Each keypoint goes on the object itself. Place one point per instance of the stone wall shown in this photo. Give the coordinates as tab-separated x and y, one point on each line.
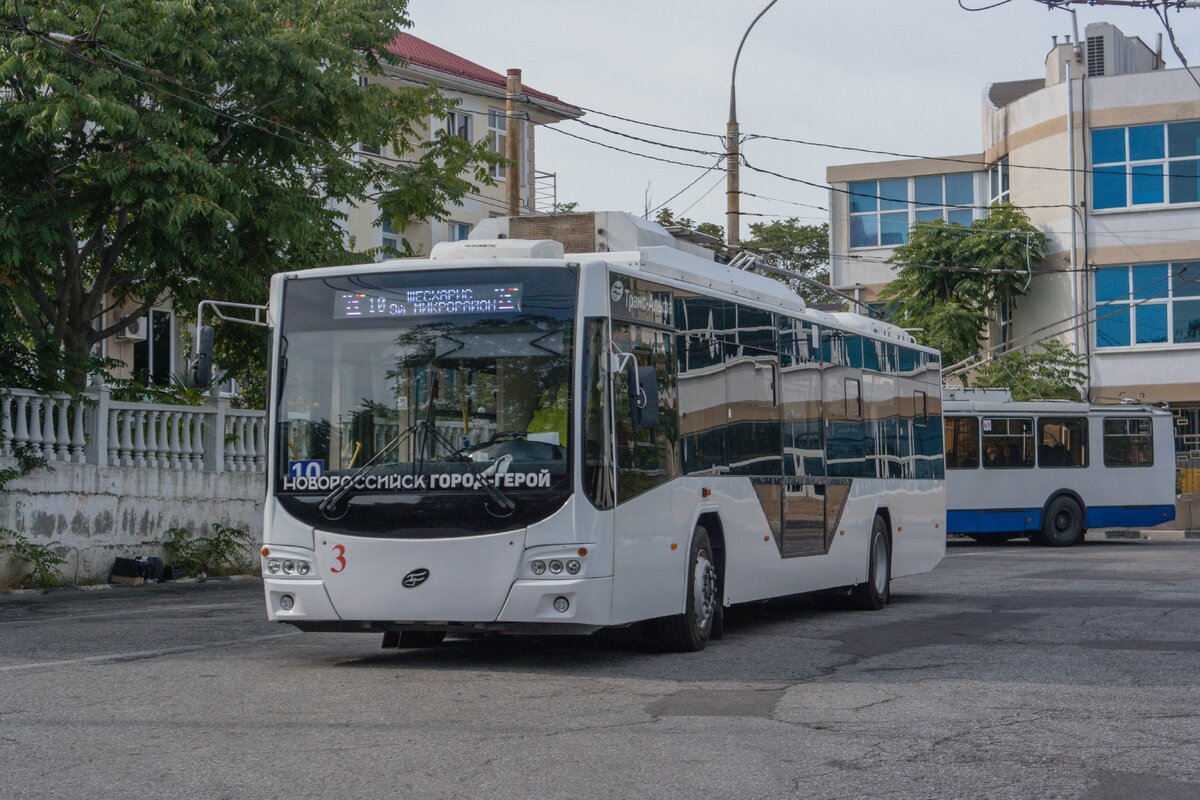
92	514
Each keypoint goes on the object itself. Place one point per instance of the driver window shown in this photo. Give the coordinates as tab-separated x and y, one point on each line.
646	457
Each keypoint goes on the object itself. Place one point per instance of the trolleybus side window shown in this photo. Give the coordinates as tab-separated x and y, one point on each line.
962	442
597	416
1007	442
1062	442
646	456
1128	442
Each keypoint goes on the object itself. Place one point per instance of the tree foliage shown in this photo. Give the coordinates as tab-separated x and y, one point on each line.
951	279
190	150
1053	372
802	249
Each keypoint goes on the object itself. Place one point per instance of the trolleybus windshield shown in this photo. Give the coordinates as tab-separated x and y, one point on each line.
437	402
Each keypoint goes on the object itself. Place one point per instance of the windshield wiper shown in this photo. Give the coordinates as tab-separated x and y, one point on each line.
343	492
474	467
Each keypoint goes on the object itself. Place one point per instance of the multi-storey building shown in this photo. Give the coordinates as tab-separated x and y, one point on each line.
480	114
1103	153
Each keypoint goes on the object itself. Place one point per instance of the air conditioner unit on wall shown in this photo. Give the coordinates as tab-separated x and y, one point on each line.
135	330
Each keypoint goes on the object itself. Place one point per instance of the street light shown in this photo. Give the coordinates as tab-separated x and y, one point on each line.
732	188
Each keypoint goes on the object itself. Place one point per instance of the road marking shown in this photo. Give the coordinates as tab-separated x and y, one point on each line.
136	654
151	610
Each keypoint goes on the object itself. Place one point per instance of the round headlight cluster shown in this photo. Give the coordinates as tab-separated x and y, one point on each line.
556	566
288	567
538	567
573	567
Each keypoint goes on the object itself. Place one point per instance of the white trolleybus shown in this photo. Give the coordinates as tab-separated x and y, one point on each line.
1052	469
502	437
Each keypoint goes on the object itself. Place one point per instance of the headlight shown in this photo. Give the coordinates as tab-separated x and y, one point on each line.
538	567
573	567
273	566
302	568
289	567
556	566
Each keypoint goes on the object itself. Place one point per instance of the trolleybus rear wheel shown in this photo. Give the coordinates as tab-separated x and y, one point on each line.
1062	523
690	631
876	591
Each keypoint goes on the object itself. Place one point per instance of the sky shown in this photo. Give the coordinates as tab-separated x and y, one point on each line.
900	75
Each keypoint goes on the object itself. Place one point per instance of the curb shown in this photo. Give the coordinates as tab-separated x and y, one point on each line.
99	587
1151	535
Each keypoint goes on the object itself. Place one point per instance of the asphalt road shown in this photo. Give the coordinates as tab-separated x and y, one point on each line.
1010	672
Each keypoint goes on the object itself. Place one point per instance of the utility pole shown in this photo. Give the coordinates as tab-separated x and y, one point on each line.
512	143
733	211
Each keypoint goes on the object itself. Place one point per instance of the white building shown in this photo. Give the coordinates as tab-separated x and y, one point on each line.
480	113
1130	212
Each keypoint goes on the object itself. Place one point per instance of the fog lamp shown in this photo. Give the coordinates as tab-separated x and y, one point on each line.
286	602
561	604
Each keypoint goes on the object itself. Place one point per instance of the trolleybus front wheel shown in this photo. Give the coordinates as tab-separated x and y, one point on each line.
875	593
691	630
1062	523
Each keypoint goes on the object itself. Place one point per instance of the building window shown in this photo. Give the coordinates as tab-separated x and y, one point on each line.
153	356
1146	165
458	231
998	191
458	124
497	122
390	242
1148	304
882	212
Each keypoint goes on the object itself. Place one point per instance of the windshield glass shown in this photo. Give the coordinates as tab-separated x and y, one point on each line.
413	388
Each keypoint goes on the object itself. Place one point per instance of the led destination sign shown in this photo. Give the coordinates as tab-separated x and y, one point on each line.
429	301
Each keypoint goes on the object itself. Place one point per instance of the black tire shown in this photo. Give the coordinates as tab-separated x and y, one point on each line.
1062	523
421	638
691	630
874	593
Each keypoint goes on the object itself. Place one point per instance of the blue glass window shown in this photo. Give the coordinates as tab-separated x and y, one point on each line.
1147	184
959	217
1187	322
1186	279
1112	283
1146	142
893	194
1108	146
1108	187
960	189
927	190
1150	320
1185	181
929	214
1112	326
1150	281
864	231
862	196
893	228
1183	139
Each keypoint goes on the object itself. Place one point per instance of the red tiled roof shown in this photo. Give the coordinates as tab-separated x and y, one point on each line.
423	54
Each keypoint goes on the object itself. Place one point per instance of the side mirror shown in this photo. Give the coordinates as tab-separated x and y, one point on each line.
202	369
643	397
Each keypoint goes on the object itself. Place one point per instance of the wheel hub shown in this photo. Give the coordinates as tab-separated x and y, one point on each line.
704	591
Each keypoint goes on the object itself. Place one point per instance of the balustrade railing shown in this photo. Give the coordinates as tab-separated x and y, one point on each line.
95	429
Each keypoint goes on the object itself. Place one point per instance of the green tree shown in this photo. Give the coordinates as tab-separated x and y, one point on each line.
802	249
951	279
1053	372
153	149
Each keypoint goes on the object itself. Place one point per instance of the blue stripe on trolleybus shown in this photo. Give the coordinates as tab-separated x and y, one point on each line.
1008	520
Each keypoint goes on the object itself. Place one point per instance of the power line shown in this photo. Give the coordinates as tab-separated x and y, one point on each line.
720	178
684	189
623	150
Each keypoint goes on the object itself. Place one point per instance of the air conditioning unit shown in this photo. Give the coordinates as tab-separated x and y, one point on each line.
135	330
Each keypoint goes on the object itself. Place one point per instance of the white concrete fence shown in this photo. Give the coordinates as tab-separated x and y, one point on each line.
100	431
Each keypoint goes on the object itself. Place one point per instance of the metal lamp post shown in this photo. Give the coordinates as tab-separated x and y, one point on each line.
732	182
